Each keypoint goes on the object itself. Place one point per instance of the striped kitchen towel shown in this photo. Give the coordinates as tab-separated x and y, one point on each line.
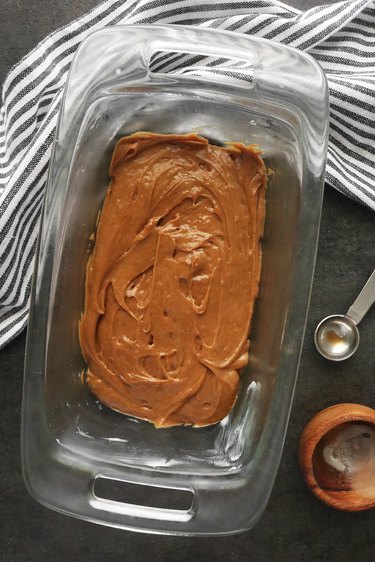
341	36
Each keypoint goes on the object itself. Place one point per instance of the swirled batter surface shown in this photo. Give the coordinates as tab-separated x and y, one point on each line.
172	280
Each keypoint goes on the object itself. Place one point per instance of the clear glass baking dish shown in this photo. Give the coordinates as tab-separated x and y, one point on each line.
70	442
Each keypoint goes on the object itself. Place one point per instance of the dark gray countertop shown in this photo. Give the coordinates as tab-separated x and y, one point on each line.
295	526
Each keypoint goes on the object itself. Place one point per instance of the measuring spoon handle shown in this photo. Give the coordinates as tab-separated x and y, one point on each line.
364	300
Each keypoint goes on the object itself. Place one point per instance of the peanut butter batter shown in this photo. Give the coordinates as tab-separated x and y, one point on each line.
172	280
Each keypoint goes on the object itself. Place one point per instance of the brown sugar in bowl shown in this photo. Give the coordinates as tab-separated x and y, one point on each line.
337	456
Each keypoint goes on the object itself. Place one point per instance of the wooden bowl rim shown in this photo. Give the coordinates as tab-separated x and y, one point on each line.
319	425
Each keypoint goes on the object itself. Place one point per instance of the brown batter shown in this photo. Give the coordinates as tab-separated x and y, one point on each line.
172	280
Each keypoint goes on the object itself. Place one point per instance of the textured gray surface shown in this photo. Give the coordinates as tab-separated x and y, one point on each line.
295	526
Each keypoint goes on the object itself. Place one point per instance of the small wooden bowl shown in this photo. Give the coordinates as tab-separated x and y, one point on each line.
343	490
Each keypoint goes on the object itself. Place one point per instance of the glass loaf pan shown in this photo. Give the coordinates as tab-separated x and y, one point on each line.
68	438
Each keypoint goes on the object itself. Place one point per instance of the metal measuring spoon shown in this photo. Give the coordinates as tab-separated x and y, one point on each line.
337	336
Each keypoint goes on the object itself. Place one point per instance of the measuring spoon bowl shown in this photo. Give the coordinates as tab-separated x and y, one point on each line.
337	337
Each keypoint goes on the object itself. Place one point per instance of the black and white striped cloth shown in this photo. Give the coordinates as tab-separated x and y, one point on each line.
341	36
